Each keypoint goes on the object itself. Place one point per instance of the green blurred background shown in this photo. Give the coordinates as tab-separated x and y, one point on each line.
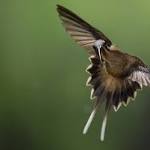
44	103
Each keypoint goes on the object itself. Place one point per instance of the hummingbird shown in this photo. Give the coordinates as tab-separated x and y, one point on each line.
114	76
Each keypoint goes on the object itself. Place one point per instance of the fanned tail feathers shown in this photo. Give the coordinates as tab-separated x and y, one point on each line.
115	91
104	84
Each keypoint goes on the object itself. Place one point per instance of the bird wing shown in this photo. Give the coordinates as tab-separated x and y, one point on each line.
141	76
81	31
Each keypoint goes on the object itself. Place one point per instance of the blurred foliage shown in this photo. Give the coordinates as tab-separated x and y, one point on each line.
43	100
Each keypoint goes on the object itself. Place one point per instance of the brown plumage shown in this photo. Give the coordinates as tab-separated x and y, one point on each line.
115	76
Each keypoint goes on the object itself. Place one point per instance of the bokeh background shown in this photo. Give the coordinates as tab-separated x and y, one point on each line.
44	103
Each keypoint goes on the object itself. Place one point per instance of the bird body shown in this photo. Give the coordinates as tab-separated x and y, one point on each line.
112	75
120	64
115	76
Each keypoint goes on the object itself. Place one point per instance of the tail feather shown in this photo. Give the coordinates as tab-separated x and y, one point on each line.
85	130
116	98
105	87
124	94
130	89
92	115
104	122
103	128
98	91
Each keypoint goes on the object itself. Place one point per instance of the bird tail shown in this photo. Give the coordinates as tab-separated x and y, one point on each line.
106	88
92	115
104	122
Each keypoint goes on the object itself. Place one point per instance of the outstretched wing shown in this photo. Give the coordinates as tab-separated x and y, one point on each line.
81	31
141	76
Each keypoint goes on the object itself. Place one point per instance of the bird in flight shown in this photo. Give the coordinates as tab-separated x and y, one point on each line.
115	76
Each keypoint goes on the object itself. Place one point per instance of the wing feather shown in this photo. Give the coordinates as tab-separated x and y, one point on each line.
141	75
81	31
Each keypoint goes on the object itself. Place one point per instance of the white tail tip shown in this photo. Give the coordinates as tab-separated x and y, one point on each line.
89	121
103	128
